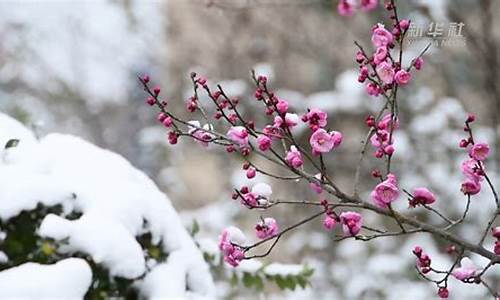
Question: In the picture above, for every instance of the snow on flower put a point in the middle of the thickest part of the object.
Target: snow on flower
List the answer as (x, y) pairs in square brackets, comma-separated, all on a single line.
[(239, 135), (230, 243), (294, 157), (266, 228), (466, 270)]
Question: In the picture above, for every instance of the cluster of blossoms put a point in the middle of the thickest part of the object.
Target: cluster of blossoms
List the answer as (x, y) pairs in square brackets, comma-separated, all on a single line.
[(348, 7), (380, 70), (266, 228), (473, 167), (351, 221), (274, 140), (383, 139), (423, 260), (230, 241)]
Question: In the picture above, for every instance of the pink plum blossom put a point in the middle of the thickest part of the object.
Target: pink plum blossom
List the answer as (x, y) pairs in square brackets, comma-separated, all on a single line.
[(380, 55), (385, 192), (471, 170), (466, 270), (470, 187), (266, 228), (282, 106), (372, 89), (422, 195), (402, 77), (479, 151), (230, 243), (251, 172), (316, 118), (367, 5), (385, 72), (418, 63), (345, 8), (351, 223), (322, 141), (264, 142), (381, 37), (239, 135), (294, 157), (329, 222)]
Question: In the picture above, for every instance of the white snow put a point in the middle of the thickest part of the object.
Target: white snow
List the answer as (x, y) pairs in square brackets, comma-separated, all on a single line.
[(67, 279), (118, 203)]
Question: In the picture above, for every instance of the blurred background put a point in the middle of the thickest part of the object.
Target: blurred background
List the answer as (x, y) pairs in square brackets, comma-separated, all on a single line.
[(72, 66)]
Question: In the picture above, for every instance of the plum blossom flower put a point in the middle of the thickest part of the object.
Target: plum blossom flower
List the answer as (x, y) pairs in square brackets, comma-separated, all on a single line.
[(316, 118), (380, 55), (466, 270), (471, 170), (264, 142), (372, 89), (329, 222), (351, 223), (419, 63), (470, 187), (367, 5), (385, 72), (251, 172), (321, 141), (402, 77), (250, 200), (203, 137), (385, 192), (345, 8), (294, 157), (479, 151), (282, 106), (239, 135), (422, 195), (266, 228), (443, 293), (381, 37), (230, 243)]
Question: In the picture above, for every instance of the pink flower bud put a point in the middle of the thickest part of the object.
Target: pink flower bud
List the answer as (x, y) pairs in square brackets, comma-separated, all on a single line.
[(145, 78), (389, 150), (156, 90), (470, 118), (264, 142), (172, 138), (419, 63), (404, 24), (151, 101), (329, 222), (251, 172), (161, 117), (282, 106), (168, 122), (443, 293)]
